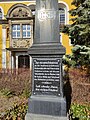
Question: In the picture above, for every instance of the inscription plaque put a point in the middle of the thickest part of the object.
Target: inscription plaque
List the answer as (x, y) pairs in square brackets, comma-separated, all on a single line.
[(46, 76)]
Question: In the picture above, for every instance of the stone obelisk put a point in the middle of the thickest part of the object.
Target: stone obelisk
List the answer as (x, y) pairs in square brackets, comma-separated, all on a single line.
[(46, 101)]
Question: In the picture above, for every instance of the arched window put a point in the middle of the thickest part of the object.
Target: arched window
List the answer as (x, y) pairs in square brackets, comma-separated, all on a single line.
[(61, 17), (63, 14), (1, 14)]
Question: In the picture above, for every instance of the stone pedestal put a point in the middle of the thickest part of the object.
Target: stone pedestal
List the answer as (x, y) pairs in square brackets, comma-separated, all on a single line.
[(46, 101)]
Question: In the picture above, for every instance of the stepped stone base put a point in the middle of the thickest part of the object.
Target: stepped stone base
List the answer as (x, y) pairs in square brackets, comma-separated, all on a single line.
[(30, 116), (47, 105)]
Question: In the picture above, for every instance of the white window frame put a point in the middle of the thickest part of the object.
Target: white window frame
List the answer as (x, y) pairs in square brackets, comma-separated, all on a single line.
[(16, 31), (26, 31), (62, 21), (21, 31)]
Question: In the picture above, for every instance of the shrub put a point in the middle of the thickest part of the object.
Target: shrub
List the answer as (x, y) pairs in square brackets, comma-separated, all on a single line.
[(80, 57), (81, 112), (7, 92), (15, 87), (15, 82), (16, 112), (80, 84)]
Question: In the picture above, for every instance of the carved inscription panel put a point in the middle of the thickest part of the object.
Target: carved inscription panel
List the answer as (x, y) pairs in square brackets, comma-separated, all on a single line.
[(46, 14), (46, 76)]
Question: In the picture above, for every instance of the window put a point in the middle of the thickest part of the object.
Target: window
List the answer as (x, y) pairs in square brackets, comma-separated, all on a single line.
[(1, 15), (16, 31), (21, 31), (63, 14), (61, 17), (26, 31)]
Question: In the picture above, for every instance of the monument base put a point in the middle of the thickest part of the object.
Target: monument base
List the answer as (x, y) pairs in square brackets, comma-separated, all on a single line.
[(30, 116), (47, 105)]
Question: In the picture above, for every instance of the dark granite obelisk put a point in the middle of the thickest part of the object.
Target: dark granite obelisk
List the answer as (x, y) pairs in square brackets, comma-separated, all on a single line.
[(46, 101)]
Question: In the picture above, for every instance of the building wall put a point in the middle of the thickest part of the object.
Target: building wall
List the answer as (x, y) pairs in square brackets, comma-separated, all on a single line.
[(65, 39), (0, 46), (6, 6)]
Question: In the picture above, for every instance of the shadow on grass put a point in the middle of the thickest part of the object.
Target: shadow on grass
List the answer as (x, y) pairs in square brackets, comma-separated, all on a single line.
[(70, 117), (67, 91), (75, 118)]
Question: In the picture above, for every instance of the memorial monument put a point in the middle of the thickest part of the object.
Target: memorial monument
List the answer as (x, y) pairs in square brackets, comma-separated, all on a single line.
[(46, 101)]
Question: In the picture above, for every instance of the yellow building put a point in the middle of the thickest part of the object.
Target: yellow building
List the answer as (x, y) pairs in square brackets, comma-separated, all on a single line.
[(17, 31)]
